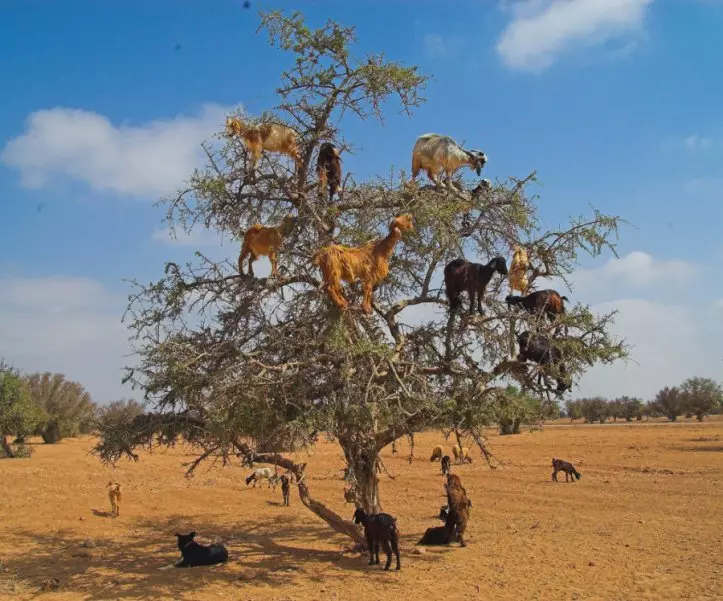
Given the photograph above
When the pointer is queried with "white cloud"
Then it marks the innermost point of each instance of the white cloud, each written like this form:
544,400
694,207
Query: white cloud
69,325
542,30
197,237
150,159
434,45
696,142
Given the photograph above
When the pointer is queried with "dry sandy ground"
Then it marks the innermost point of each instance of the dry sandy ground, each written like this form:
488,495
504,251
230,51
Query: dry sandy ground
643,523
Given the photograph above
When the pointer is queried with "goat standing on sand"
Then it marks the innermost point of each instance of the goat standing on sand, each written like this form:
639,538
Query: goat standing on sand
543,351
460,275
437,453
368,263
272,137
541,302
439,535
285,489
559,465
328,169
259,474
435,152
518,270
114,494
445,465
380,529
265,241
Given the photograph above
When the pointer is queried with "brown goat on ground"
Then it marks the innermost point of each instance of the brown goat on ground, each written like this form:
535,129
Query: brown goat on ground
328,169
368,263
459,506
272,137
114,494
462,275
564,466
264,241
437,453
547,302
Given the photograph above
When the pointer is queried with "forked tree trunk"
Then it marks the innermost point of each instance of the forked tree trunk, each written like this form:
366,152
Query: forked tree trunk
363,466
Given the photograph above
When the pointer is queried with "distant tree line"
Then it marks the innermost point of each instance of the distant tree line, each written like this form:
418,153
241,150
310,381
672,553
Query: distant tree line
694,397
51,407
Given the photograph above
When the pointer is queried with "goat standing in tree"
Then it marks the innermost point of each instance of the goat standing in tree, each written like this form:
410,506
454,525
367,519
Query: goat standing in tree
541,302
265,241
460,275
368,263
272,137
328,169
435,152
518,270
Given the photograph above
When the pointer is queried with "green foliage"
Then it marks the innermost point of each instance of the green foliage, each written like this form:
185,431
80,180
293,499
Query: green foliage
517,408
18,414
121,412
67,406
701,396
670,402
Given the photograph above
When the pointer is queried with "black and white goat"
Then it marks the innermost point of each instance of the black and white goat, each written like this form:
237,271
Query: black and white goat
435,152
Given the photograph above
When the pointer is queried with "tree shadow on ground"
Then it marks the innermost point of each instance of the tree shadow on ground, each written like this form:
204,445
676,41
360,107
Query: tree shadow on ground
268,553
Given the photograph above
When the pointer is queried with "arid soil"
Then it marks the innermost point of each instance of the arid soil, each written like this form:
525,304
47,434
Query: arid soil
644,522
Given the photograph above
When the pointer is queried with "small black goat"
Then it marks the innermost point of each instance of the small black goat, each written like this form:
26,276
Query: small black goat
460,275
445,464
195,554
285,489
328,168
380,529
439,535
542,302
543,351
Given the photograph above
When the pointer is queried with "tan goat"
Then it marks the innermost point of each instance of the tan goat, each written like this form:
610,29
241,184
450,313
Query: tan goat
272,137
114,494
260,241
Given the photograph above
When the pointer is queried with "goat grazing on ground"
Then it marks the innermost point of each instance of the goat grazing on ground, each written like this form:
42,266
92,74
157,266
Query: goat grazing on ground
559,465
437,453
380,529
445,465
259,474
285,489
195,554
459,506
518,270
461,454
460,275
435,153
260,241
368,263
541,302
439,535
272,137
328,169
114,494
543,351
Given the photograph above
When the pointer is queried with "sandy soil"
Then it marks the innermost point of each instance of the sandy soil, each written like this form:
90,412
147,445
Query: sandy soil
643,523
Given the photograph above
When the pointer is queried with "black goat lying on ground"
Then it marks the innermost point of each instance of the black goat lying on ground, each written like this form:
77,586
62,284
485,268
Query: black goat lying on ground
543,351
195,554
542,302
380,529
461,275
445,464
559,465
439,535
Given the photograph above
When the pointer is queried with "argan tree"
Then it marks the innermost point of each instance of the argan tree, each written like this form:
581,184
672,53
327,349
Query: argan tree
670,402
257,367
18,414
701,396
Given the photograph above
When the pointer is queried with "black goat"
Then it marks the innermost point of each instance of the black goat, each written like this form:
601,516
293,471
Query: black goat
195,554
285,489
543,351
445,464
542,302
440,535
380,529
460,275
328,168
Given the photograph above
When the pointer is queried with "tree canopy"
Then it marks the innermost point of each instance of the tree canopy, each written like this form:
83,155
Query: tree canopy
255,367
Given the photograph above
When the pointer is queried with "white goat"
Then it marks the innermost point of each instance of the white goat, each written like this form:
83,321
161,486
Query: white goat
259,474
435,152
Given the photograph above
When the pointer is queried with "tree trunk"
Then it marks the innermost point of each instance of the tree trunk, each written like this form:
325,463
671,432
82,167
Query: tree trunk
7,449
363,467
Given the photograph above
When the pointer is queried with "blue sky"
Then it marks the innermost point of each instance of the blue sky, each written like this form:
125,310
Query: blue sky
614,103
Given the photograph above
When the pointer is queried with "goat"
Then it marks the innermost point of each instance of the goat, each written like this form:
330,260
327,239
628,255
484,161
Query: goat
462,275
259,474
445,465
457,452
265,241
435,152
328,169
459,506
114,494
439,535
464,454
543,351
518,270
368,263
285,489
272,137
559,465
195,554
541,302
437,453
380,529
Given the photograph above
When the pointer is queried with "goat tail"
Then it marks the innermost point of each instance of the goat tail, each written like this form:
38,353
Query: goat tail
393,530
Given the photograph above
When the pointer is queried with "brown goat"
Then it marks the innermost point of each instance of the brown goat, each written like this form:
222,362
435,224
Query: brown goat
547,302
460,275
328,169
272,137
368,263
264,241
114,494
459,506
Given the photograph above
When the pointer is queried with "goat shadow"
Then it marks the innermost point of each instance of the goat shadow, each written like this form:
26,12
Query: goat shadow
102,514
